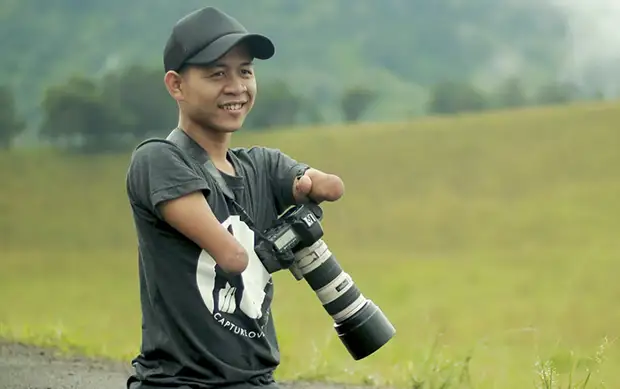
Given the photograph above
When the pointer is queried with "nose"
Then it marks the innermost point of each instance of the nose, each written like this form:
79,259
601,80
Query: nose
235,87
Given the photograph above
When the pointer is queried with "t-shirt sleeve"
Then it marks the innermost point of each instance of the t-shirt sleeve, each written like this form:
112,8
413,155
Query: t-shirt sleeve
158,172
282,171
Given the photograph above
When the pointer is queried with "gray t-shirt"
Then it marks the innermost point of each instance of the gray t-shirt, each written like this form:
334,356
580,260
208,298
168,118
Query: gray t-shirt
200,326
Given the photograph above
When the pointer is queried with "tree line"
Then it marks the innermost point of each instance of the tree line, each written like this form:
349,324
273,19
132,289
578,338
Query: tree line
112,113
429,40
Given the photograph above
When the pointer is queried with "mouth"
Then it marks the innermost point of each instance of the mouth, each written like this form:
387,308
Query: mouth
233,106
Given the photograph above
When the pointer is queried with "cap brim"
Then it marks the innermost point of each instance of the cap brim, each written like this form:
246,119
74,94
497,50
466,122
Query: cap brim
258,45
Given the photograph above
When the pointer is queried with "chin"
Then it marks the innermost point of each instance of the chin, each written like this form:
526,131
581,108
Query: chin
230,126
230,130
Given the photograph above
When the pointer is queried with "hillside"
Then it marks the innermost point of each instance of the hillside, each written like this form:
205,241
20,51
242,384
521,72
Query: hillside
398,47
492,237
500,157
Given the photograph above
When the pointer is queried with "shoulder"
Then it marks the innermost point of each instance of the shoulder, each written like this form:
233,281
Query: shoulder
155,153
253,155
247,151
160,171
258,154
159,162
154,148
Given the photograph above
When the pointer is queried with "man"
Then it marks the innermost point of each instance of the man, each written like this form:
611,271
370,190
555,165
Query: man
205,295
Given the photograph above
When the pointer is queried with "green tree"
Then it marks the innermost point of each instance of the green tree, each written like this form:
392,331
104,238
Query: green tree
453,97
76,115
11,124
356,101
140,94
556,93
276,105
510,94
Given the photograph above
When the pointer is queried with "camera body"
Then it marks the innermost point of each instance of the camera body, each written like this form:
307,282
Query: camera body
297,228
295,243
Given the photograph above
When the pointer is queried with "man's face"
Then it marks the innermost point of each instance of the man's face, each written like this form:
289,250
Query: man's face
218,97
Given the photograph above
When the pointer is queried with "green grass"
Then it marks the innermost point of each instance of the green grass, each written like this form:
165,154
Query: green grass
492,242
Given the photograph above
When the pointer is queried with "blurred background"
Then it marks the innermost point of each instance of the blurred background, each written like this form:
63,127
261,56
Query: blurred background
478,141
336,61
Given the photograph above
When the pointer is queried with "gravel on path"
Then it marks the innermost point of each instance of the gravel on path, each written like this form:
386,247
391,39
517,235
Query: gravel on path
28,367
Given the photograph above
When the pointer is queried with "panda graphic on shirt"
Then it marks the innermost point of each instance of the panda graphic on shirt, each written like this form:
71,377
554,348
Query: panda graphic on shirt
239,303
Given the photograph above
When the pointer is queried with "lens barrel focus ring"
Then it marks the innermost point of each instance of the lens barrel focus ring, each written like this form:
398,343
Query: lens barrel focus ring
336,290
361,325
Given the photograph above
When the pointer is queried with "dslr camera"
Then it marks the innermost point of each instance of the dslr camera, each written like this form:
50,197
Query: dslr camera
295,243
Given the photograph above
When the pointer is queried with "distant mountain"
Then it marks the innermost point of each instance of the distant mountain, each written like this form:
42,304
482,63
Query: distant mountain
396,46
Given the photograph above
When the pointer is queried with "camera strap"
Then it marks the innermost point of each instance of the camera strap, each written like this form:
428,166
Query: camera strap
195,151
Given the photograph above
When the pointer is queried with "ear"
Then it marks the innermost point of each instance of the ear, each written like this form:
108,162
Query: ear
174,83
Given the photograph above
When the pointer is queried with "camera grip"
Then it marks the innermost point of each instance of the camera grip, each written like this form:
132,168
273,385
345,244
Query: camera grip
271,260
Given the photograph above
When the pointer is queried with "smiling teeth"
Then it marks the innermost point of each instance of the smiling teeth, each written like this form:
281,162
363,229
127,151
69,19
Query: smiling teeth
232,107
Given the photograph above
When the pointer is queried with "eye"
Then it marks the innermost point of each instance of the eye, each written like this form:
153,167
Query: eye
246,72
217,74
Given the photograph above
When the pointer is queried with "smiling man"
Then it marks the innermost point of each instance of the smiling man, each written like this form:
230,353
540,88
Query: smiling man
205,295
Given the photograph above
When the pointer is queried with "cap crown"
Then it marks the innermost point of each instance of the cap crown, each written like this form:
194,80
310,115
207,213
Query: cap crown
194,32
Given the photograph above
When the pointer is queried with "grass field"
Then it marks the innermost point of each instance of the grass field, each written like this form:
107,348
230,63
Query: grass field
492,242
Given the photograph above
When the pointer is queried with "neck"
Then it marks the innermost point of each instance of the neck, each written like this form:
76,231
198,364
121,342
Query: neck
214,143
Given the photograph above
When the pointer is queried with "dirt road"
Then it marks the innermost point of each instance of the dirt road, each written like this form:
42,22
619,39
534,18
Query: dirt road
27,367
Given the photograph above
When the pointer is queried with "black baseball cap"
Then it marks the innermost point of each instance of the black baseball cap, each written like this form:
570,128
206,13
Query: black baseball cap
204,35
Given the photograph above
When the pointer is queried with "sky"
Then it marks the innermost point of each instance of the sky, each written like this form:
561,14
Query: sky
593,52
